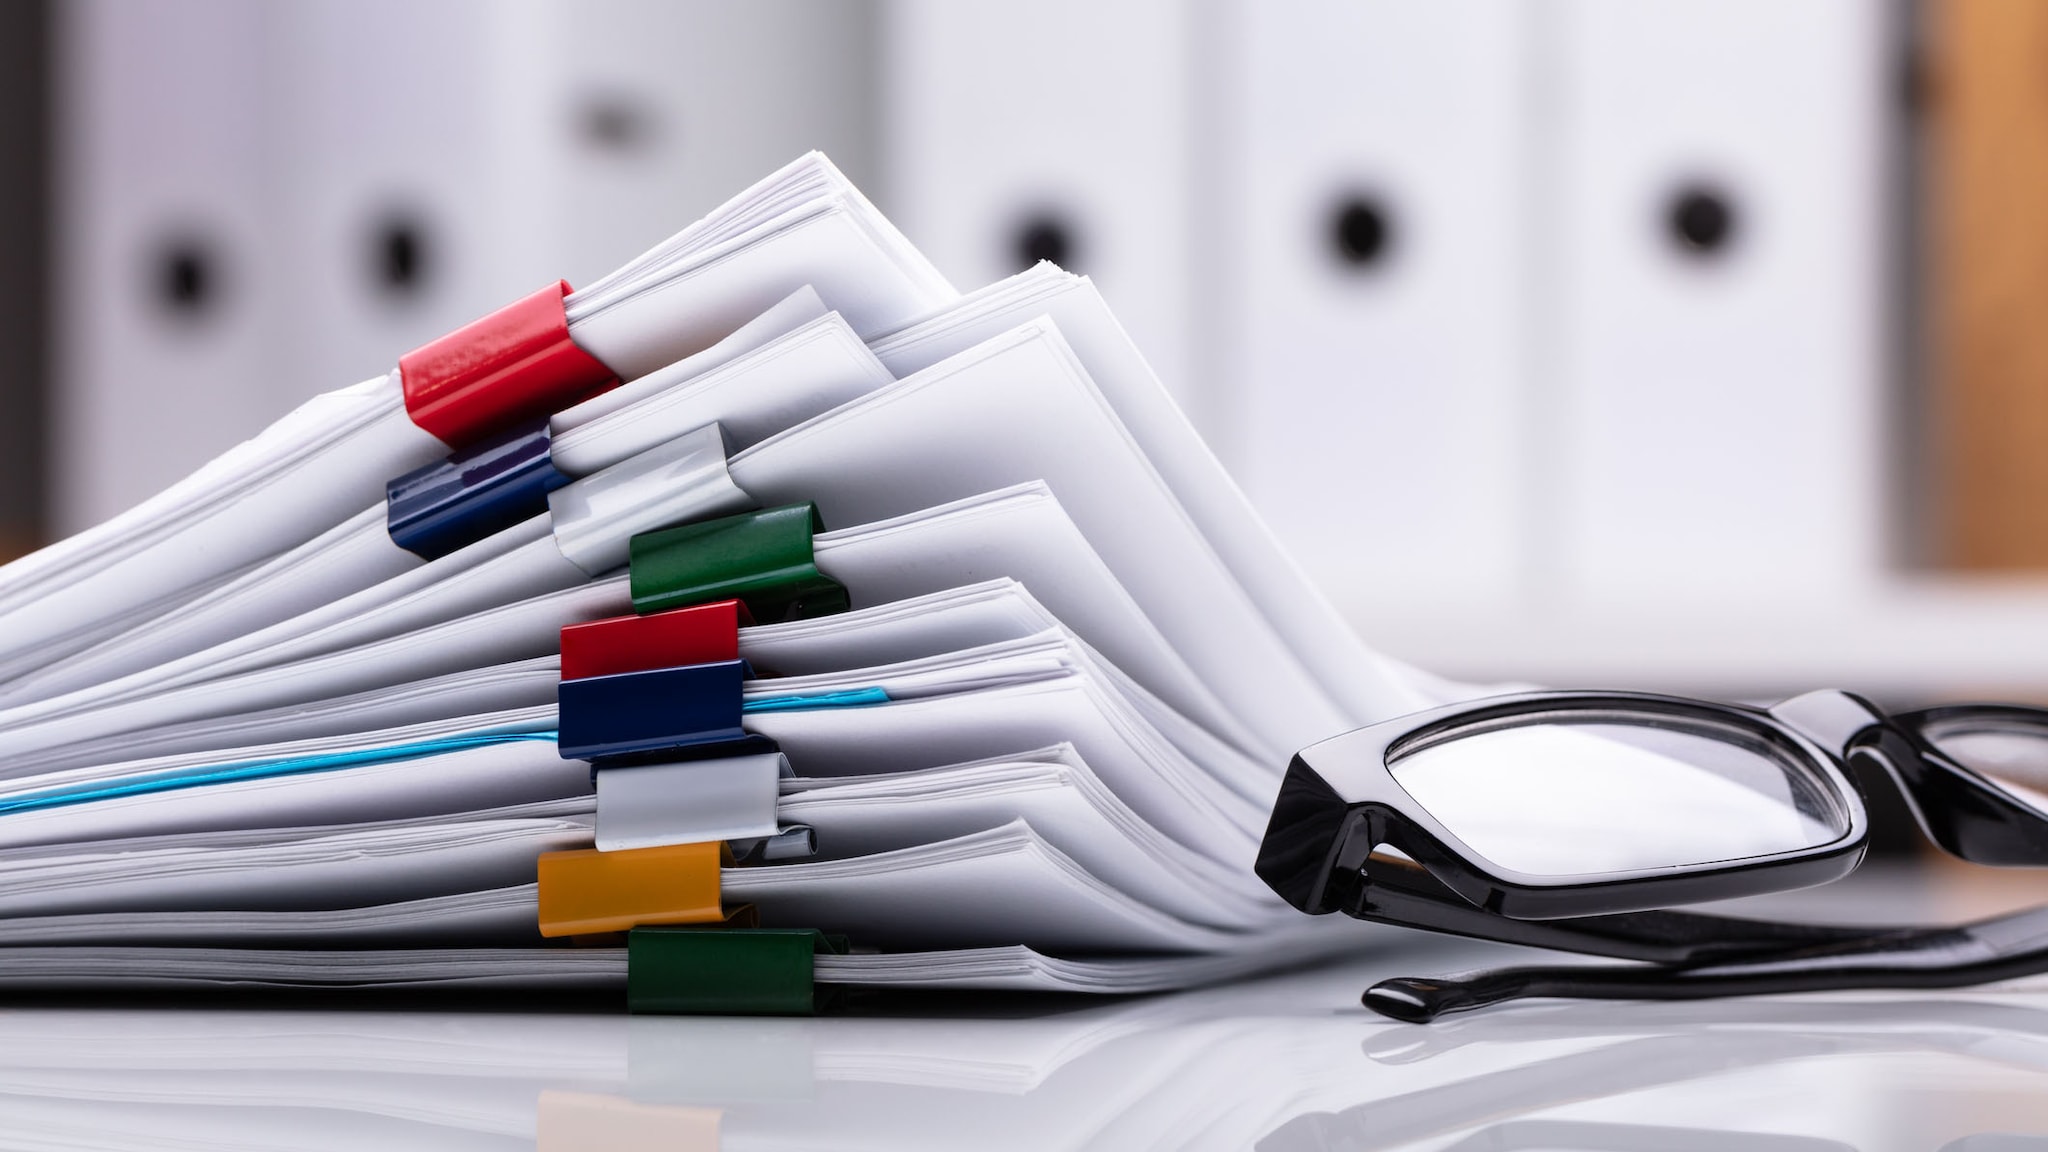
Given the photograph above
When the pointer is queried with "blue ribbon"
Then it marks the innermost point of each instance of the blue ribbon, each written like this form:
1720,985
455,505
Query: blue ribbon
851,698
175,778
170,780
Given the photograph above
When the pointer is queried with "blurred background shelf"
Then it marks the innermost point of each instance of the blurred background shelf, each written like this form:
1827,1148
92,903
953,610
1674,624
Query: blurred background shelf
1689,344
1921,642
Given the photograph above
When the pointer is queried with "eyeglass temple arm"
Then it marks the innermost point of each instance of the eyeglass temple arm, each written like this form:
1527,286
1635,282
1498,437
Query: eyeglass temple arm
1402,892
2000,948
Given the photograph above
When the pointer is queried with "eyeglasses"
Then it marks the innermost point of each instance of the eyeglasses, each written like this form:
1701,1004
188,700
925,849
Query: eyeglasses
1577,820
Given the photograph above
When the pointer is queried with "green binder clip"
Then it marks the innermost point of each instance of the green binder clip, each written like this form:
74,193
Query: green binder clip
711,970
763,559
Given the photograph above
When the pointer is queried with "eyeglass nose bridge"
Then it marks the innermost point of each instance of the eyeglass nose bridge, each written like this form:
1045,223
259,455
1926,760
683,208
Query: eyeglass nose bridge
1963,812
1829,717
1955,808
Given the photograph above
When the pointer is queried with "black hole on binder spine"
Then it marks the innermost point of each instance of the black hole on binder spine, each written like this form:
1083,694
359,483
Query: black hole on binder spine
1702,221
1359,232
399,255
1045,237
616,123
185,278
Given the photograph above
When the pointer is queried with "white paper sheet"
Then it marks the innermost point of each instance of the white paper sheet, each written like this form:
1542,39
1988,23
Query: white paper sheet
54,652
937,622
1003,886
1019,408
810,369
100,775
345,559
1022,969
1006,883
495,775
1022,532
1048,654
1155,779
303,475
98,967
1368,685
470,697
788,314
661,460
498,917
835,243
1061,798
282,868
518,631
516,564
431,786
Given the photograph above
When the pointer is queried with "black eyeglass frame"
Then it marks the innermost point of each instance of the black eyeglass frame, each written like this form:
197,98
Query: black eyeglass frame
1318,849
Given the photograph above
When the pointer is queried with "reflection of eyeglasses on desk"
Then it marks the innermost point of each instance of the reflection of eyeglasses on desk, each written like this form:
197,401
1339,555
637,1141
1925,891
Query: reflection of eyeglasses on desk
1571,820
1583,1136
1637,1055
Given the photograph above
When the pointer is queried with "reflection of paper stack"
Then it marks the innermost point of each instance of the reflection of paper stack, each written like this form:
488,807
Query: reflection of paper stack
866,610
1222,1064
1277,1065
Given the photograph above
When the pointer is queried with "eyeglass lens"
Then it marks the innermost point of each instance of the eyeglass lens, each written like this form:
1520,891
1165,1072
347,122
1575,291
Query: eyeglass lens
2011,752
1558,796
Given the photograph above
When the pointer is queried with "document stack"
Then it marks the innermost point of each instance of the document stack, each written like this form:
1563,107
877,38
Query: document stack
764,620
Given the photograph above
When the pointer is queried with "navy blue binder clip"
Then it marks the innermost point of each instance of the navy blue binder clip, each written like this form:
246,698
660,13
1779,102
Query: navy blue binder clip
472,494
668,714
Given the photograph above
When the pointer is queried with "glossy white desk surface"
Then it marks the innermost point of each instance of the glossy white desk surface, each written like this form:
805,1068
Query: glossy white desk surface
1285,1063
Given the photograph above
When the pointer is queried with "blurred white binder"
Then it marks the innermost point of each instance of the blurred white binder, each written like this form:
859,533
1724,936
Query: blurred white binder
1377,345
1060,130
165,327
390,173
655,112
262,200
1718,294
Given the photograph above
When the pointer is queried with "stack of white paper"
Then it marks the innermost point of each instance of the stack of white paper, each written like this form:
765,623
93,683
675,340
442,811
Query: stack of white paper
245,738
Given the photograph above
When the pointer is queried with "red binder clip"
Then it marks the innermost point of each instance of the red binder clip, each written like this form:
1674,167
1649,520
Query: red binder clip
515,365
704,634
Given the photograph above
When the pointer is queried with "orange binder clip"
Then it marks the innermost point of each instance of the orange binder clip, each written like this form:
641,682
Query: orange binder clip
587,891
